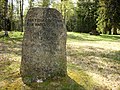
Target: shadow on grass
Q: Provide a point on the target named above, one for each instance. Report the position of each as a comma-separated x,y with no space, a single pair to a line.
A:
14,37
14,40
112,37
65,83
10,45
12,51
87,37
8,68
96,59
4,64
98,52
9,49
17,39
10,79
113,55
99,62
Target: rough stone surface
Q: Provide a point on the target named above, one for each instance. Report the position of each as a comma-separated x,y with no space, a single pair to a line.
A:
44,46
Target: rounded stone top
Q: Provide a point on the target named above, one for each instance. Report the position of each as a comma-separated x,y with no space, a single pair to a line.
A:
43,12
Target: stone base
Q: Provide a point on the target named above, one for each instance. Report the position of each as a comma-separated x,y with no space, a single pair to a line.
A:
62,83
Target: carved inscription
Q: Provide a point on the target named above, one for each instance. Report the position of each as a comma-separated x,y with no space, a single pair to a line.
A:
44,22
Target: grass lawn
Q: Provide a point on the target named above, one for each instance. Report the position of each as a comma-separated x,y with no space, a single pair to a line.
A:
93,63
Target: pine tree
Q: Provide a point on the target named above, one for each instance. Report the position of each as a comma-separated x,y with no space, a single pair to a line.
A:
87,15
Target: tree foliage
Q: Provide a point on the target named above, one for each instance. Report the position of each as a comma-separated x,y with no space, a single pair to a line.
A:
82,16
1,13
86,15
109,16
66,8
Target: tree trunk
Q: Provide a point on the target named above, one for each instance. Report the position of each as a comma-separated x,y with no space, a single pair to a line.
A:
21,15
109,29
11,16
6,33
5,18
110,32
64,16
114,30
104,31
61,7
30,3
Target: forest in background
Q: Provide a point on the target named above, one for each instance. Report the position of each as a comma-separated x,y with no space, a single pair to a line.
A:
81,16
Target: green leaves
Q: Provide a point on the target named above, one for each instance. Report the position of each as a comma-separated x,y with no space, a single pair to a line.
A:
108,15
86,15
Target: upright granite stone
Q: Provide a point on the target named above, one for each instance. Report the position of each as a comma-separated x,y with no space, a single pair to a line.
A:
44,46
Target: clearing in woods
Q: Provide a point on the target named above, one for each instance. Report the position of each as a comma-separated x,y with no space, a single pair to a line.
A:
93,61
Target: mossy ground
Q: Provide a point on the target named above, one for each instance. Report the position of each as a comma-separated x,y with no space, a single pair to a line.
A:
93,63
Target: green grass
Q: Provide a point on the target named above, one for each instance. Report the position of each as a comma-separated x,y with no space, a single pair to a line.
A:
93,63
72,36
98,56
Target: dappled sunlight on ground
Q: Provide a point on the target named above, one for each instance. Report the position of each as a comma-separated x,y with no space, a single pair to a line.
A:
99,59
10,79
81,77
108,82
98,44
93,63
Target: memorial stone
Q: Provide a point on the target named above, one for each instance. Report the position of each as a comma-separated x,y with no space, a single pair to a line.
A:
44,46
